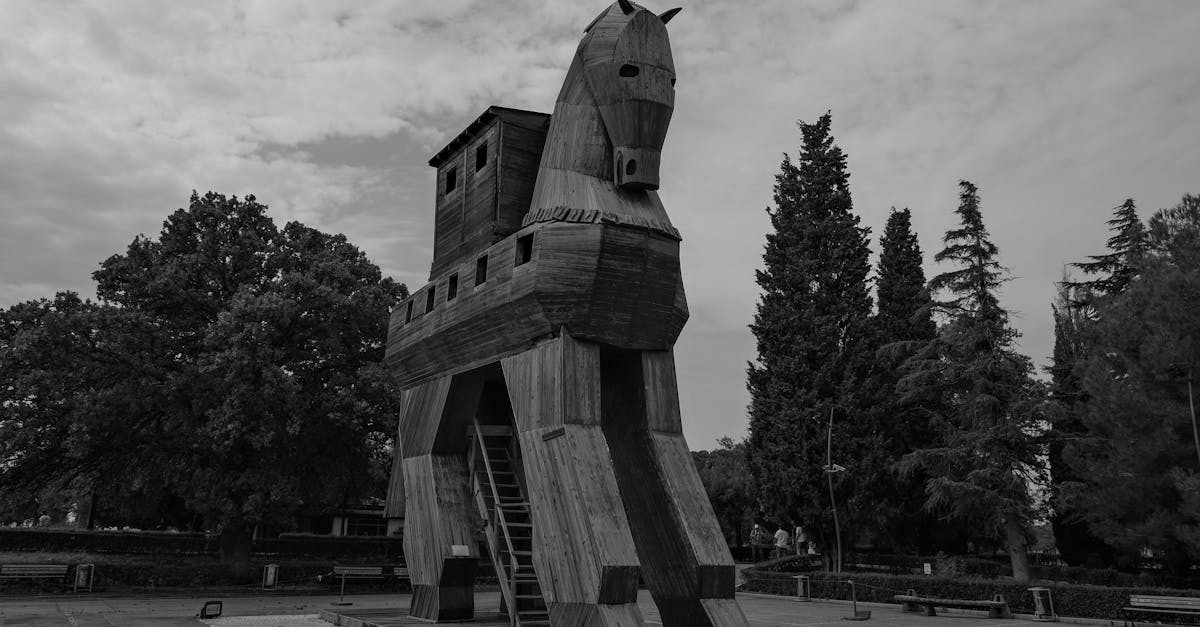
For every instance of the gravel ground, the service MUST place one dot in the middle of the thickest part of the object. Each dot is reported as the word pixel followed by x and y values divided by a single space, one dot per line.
pixel 302 620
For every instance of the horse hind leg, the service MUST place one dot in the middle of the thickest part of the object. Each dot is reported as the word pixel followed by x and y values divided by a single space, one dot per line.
pixel 685 561
pixel 439 526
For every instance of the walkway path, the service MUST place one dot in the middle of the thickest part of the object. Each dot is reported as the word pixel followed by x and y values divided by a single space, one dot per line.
pixel 83 611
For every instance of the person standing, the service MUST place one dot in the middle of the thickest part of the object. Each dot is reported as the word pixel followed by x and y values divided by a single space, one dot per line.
pixel 781 542
pixel 758 542
pixel 801 541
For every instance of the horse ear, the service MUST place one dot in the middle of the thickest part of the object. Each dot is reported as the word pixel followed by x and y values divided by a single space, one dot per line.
pixel 668 14
pixel 626 6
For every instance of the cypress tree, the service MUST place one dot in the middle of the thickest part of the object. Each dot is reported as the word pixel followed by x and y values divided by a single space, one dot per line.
pixel 811 328
pixel 903 321
pixel 904 303
pixel 985 457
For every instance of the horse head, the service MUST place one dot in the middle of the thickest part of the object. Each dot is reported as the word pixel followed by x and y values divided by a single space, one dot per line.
pixel 626 60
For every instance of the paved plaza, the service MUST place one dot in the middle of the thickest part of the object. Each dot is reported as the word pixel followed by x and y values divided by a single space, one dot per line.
pixel 243 610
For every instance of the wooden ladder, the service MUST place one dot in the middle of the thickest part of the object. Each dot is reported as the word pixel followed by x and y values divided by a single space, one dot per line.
pixel 508 524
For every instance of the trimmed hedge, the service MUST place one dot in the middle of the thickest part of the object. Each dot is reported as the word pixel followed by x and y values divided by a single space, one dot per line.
pixel 163 543
pixel 1076 600
pixel 984 568
pixel 148 571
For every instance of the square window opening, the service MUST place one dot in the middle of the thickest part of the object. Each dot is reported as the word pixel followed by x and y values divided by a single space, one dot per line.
pixel 524 249
pixel 451 180
pixel 481 156
pixel 452 287
pixel 481 270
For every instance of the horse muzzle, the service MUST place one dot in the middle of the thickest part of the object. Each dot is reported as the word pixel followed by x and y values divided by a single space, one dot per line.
pixel 636 168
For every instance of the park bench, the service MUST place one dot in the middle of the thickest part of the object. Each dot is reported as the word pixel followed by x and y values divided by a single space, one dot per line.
pixel 996 608
pixel 363 572
pixel 54 573
pixel 1155 604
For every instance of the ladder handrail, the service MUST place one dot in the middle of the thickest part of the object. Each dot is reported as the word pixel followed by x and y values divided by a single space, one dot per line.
pixel 487 465
pixel 498 512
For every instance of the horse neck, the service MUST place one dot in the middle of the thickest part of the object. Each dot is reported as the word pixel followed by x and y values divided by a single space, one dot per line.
pixel 576 140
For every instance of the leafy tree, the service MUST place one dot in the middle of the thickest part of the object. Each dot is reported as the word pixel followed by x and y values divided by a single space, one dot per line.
pixel 727 481
pixel 1137 461
pixel 814 346
pixel 903 323
pixel 230 365
pixel 984 461
pixel 64 365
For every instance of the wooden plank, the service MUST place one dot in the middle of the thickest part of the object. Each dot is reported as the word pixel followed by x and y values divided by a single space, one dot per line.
pixel 662 393
pixel 421 408
pixel 519 156
pixel 394 506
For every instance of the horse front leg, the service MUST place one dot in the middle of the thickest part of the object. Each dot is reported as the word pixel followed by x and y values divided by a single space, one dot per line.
pixel 583 551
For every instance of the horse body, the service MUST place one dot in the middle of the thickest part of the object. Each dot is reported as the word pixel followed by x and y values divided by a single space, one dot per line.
pixel 570 349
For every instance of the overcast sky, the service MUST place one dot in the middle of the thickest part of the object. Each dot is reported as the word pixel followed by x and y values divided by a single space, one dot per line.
pixel 111 113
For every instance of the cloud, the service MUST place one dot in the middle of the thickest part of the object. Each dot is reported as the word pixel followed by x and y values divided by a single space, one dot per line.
pixel 111 113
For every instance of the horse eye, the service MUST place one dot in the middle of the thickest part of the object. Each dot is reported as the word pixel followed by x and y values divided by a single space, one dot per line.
pixel 629 71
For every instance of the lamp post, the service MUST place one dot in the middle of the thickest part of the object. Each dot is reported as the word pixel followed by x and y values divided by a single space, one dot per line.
pixel 831 468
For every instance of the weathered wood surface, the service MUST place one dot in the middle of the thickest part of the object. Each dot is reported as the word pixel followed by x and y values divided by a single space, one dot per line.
pixel 394 506
pixel 608 284
pixel 488 202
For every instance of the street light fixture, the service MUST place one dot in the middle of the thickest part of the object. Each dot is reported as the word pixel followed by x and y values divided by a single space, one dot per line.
pixel 829 469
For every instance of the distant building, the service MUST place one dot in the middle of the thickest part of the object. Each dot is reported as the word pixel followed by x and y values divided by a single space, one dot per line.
pixel 357 520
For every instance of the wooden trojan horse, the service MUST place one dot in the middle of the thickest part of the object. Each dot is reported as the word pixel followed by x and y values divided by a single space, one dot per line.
pixel 540 394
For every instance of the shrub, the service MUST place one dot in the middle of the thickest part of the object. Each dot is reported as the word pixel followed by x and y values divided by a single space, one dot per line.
pixel 1077 600
pixel 170 543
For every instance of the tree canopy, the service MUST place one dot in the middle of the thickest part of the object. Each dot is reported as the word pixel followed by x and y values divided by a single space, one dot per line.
pixel 727 482
pixel 1137 457
pixel 228 364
